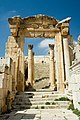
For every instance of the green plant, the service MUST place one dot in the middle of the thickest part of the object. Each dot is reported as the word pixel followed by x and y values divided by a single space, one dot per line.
pixel 36 107
pixel 78 102
pixel 65 118
pixel 53 103
pixel 42 107
pixel 47 103
pixel 71 107
pixel 62 99
pixel 77 112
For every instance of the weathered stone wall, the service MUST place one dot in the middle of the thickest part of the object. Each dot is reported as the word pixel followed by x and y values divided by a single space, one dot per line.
pixel 41 66
pixel 41 71
pixel 5 82
pixel 77 53
pixel 74 83
pixel 41 59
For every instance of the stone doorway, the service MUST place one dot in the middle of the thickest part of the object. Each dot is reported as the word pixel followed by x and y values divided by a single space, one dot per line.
pixel 41 61
pixel 39 26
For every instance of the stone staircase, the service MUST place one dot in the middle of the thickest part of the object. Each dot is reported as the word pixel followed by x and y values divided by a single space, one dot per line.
pixel 40 99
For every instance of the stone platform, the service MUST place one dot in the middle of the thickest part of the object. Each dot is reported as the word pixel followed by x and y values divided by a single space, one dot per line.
pixel 40 114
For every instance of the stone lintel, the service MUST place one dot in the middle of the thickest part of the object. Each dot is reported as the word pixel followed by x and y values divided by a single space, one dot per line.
pixel 30 47
pixel 41 30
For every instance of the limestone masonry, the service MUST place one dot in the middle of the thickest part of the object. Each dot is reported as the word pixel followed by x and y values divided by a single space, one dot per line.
pixel 59 71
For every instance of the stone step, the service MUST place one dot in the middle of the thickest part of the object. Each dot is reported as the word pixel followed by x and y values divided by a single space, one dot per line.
pixel 39 95
pixel 39 100
pixel 46 90
pixel 42 92
pixel 59 106
pixel 49 102
pixel 34 99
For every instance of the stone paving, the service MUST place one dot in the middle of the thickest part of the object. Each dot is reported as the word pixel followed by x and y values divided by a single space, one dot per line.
pixel 40 114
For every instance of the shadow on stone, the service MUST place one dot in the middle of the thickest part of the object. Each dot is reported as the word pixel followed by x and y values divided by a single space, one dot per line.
pixel 46 87
pixel 41 79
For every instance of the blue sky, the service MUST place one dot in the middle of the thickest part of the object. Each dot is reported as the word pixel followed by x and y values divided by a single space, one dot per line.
pixel 59 9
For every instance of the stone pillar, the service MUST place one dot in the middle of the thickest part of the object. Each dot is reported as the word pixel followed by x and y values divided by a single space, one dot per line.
pixel 11 52
pixel 52 70
pixel 66 58
pixel 15 50
pixel 59 62
pixel 30 64
pixel 20 81
pixel 33 68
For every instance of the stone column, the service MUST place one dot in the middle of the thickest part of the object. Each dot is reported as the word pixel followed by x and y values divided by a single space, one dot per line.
pixel 30 64
pixel 33 69
pixel 20 81
pixel 52 70
pixel 59 62
pixel 66 58
pixel 11 52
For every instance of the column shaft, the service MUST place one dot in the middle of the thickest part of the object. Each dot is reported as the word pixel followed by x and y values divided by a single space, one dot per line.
pixel 30 64
pixel 20 81
pixel 59 62
pixel 52 73
pixel 33 69
pixel 11 52
pixel 66 57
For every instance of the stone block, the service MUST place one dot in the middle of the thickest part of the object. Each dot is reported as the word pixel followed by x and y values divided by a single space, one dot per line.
pixel 2 68
pixel 4 109
pixel 29 34
pixel 39 34
pixel 49 34
pixel 1 80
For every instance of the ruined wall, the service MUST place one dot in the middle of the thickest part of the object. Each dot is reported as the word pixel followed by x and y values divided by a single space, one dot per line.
pixel 77 53
pixel 41 71
pixel 41 67
pixel 5 82
pixel 74 84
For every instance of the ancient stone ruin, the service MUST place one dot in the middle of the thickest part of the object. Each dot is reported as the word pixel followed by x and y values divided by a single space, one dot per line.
pixel 18 73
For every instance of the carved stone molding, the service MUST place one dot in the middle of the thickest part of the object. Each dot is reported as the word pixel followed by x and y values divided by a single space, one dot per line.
pixel 30 47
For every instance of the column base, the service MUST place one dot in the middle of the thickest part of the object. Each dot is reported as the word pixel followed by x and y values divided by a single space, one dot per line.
pixel 52 87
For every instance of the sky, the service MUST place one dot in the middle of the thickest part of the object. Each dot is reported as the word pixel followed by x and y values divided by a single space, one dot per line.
pixel 59 9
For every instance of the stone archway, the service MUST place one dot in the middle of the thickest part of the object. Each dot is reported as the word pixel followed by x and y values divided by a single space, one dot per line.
pixel 43 27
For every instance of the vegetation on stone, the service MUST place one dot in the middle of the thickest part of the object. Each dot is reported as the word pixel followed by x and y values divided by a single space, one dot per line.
pixel 47 103
pixel 42 107
pixel 75 111
pixel 36 107
pixel 62 99
pixel 53 103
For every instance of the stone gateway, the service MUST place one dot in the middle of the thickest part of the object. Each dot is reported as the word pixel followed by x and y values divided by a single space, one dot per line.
pixel 13 66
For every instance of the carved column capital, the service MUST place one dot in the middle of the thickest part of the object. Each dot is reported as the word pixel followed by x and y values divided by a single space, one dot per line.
pixel 51 46
pixel 65 29
pixel 14 25
pixel 30 47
